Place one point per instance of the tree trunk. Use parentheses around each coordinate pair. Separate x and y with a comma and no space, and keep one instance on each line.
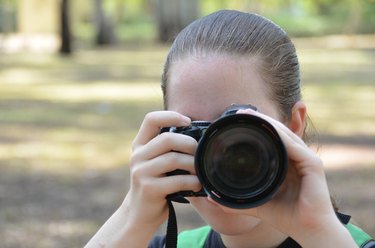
(354,18)
(105,34)
(173,16)
(66,40)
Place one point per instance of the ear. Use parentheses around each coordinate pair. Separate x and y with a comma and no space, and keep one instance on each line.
(297,122)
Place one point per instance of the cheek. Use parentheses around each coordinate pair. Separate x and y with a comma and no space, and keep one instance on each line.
(206,209)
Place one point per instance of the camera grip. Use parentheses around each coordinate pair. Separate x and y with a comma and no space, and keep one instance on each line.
(180,196)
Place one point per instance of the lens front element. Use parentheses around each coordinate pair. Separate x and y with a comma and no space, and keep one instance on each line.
(241,161)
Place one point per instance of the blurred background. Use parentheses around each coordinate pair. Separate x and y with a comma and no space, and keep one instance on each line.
(77,77)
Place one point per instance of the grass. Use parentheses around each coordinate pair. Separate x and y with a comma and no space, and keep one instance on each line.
(67,125)
(339,90)
(76,109)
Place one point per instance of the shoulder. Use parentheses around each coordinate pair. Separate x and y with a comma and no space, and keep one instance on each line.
(362,239)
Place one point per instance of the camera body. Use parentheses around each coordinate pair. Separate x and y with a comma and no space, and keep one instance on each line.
(240,159)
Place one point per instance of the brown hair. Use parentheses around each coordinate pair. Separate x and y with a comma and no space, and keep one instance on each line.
(244,34)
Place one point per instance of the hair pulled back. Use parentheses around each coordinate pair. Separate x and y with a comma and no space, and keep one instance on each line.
(241,34)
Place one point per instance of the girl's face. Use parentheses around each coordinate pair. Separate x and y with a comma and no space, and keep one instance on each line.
(201,88)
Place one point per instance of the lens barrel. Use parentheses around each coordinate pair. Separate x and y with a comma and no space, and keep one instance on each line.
(241,161)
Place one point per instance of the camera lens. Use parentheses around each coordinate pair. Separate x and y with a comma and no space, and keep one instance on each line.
(237,162)
(241,161)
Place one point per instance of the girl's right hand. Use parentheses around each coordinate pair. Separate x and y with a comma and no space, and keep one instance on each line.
(154,155)
(145,207)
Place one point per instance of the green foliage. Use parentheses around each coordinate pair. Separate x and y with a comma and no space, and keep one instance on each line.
(304,26)
(368,17)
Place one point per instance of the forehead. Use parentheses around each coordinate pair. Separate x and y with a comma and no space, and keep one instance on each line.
(201,87)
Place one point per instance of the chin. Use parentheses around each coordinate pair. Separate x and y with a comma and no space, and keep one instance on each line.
(233,225)
(222,222)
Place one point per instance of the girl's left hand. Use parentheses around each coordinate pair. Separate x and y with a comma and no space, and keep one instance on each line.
(303,205)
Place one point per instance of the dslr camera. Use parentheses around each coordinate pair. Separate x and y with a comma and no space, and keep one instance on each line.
(240,160)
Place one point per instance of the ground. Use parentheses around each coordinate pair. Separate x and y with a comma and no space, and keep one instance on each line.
(67,124)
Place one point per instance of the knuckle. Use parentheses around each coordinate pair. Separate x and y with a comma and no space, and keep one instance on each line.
(167,139)
(184,182)
(134,145)
(137,173)
(149,117)
(148,187)
(172,158)
(135,158)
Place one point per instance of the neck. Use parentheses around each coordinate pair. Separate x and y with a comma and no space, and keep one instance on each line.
(261,236)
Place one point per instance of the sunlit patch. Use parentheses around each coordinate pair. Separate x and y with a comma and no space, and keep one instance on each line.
(56,113)
(99,91)
(346,156)
(341,109)
(334,57)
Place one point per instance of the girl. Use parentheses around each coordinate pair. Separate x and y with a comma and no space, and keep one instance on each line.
(228,57)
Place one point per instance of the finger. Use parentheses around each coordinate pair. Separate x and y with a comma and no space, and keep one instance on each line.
(280,127)
(178,183)
(156,120)
(164,143)
(290,139)
(168,162)
(301,155)
(169,185)
(296,148)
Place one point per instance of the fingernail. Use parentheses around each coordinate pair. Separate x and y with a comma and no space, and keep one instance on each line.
(186,120)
